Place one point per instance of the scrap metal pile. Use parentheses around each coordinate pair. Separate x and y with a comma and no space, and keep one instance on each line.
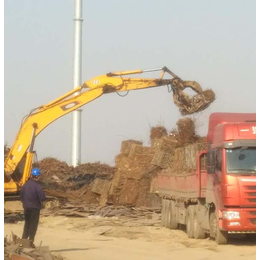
(130,182)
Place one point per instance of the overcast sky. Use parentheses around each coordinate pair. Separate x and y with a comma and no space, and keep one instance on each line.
(211,42)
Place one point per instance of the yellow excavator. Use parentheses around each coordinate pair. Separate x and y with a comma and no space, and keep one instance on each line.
(21,154)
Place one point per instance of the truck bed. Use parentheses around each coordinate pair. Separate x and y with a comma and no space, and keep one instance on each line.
(190,185)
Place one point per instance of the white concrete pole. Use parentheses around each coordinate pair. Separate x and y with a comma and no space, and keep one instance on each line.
(76,115)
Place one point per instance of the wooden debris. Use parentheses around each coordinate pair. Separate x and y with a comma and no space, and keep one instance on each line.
(104,232)
(18,249)
(126,146)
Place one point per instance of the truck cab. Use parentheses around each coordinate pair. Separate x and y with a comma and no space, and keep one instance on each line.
(231,168)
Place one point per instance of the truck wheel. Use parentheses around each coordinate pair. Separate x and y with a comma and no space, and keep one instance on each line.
(174,223)
(197,229)
(189,222)
(219,235)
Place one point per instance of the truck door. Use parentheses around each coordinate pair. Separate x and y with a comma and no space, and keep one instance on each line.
(214,180)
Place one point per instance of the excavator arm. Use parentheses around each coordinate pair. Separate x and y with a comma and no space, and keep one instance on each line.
(42,116)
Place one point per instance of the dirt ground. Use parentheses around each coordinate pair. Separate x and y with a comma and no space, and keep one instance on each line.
(115,238)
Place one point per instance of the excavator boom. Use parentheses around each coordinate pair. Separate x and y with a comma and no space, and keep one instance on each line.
(42,116)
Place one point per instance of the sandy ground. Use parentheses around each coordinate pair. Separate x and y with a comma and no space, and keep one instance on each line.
(112,238)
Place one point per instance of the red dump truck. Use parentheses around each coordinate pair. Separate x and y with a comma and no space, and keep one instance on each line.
(219,198)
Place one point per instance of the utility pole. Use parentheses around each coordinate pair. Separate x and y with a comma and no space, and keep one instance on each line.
(76,115)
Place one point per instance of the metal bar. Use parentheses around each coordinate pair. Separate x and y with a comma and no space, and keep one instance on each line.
(76,115)
(170,72)
(76,138)
(122,73)
(150,70)
(32,138)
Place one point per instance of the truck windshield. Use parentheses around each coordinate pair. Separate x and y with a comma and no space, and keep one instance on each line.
(241,161)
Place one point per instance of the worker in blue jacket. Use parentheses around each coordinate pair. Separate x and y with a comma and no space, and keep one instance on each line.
(32,197)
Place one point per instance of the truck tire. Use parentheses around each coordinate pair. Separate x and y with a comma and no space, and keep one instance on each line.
(189,221)
(197,229)
(174,222)
(219,235)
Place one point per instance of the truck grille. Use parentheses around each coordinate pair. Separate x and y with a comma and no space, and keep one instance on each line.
(250,193)
(253,221)
(250,187)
